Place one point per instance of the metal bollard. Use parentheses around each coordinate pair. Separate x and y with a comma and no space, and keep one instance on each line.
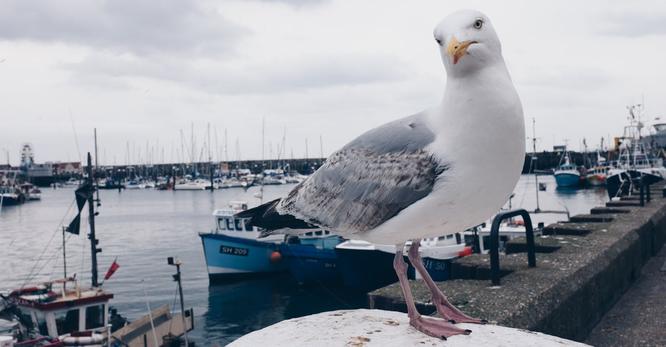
(494,242)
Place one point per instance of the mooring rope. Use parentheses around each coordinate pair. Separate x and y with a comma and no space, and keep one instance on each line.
(32,273)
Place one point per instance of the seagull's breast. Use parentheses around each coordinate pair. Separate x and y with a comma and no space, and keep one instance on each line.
(480,133)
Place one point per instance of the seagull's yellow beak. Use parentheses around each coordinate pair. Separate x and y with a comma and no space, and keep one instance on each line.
(458,49)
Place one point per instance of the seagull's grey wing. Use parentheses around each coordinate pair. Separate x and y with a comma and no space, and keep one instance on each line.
(370,180)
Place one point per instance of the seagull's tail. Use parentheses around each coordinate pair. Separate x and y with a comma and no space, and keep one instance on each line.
(267,217)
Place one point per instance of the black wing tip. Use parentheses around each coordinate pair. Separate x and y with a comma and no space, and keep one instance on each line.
(267,217)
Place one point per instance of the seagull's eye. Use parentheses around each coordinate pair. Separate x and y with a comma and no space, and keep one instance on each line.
(439,41)
(478,23)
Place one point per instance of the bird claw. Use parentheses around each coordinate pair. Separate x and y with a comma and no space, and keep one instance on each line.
(467,320)
(437,327)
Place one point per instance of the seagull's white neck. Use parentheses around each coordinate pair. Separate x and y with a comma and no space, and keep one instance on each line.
(477,97)
(483,106)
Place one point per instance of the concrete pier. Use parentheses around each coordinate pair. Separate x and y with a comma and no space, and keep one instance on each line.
(583,269)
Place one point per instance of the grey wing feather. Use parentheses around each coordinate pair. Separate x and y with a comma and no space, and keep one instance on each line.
(369,180)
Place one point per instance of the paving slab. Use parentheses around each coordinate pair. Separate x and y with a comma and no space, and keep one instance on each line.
(639,317)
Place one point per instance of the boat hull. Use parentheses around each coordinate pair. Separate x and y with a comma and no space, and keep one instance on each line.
(12,200)
(596,180)
(313,260)
(619,183)
(367,270)
(233,257)
(567,180)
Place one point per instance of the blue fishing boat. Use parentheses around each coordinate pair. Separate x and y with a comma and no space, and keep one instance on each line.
(313,260)
(567,174)
(232,249)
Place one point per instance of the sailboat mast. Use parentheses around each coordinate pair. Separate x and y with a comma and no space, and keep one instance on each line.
(534,159)
(64,253)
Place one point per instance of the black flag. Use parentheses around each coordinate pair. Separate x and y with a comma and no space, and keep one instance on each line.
(82,194)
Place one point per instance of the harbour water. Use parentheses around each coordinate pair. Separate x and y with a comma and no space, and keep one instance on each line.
(143,227)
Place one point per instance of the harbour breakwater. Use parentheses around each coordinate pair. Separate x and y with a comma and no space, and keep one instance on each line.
(583,268)
(545,161)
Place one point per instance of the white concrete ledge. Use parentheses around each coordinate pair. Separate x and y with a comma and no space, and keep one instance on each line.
(384,328)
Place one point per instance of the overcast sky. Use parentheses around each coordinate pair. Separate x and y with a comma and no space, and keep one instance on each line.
(143,71)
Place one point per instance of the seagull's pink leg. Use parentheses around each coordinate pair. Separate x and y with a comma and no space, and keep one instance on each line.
(444,307)
(429,326)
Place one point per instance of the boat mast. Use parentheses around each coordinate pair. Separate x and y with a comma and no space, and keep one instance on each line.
(91,220)
(92,184)
(534,159)
(64,254)
(210,162)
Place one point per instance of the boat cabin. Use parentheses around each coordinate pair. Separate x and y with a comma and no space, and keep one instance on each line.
(56,308)
(226,223)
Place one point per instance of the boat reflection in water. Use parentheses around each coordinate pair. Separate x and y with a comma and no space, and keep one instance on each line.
(238,308)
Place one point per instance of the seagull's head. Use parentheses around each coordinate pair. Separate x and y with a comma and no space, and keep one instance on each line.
(467,42)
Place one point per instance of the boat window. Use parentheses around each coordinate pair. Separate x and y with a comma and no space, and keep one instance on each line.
(248,226)
(309,233)
(318,232)
(41,323)
(67,321)
(230,223)
(220,224)
(449,236)
(238,223)
(94,317)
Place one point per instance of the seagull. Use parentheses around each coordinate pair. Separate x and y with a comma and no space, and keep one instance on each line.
(434,173)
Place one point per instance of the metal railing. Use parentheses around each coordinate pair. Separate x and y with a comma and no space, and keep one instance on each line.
(494,242)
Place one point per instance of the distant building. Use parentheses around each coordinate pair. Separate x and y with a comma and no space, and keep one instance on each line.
(559,148)
(67,168)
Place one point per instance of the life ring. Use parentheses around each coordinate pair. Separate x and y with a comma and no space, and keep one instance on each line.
(93,339)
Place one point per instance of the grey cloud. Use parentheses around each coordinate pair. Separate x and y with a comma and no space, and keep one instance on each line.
(218,78)
(140,27)
(630,24)
(297,3)
(571,78)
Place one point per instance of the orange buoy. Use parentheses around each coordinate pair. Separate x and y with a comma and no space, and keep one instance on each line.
(466,251)
(276,257)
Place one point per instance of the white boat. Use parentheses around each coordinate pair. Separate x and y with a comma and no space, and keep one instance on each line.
(196,184)
(134,184)
(35,194)
(635,161)
(273,177)
(596,176)
(232,183)
(295,179)
(72,182)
